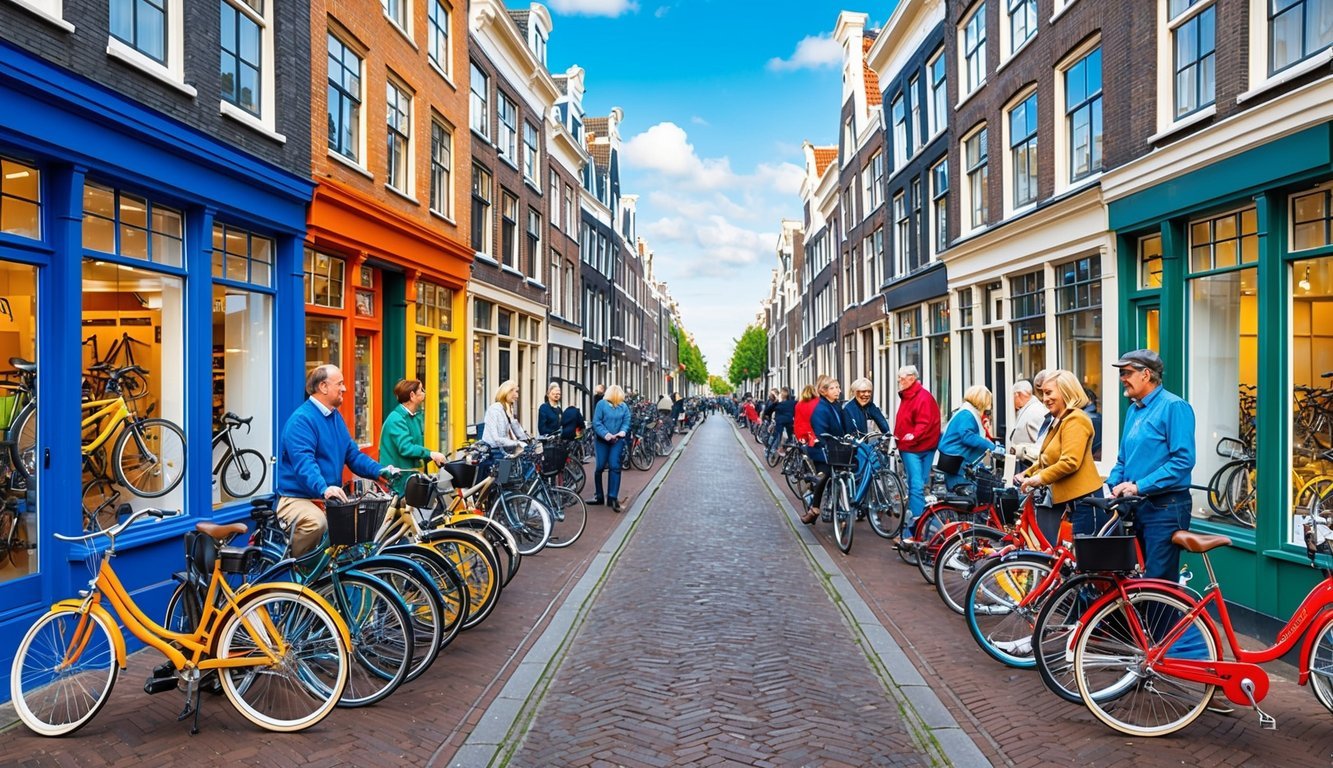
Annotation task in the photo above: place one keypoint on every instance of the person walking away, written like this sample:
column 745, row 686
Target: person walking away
column 678, row 412
column 403, row 435
column 804, row 408
column 784, row 418
column 315, row 448
column 827, row 419
column 964, row 440
column 548, row 416
column 1065, row 464
column 1029, row 412
column 610, row 424
column 862, row 411
column 917, row 427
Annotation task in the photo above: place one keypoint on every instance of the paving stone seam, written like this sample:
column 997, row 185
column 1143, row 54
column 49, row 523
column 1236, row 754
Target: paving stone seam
column 520, row 698
column 940, row 735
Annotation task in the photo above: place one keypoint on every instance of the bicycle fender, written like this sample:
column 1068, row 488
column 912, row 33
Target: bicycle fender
column 1033, row 553
column 117, row 637
column 1323, row 619
column 288, row 587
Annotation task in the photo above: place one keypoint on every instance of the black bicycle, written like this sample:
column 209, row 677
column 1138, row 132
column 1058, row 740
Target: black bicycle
column 240, row 470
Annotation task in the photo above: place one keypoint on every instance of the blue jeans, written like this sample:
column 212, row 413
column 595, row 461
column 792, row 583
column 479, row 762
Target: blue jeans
column 917, row 465
column 778, row 431
column 1086, row 519
column 1156, row 523
column 608, row 458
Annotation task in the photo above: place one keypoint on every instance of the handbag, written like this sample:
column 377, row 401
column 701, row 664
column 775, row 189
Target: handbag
column 948, row 463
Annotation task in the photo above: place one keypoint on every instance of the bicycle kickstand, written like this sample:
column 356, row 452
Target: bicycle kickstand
column 1266, row 720
column 192, row 692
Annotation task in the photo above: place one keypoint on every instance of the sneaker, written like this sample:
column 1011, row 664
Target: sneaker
column 1020, row 647
column 1220, row 705
column 597, row 502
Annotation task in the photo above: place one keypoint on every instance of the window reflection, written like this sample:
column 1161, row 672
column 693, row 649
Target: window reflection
column 1312, row 395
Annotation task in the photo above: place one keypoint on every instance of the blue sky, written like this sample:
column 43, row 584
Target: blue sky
column 718, row 97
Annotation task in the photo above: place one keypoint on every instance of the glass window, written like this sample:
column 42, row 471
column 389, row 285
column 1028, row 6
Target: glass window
column 509, row 230
column 507, row 140
column 435, row 306
column 974, row 49
column 241, row 256
column 899, row 133
column 242, row 385
column 1023, row 150
column 939, row 190
column 902, row 234
column 480, row 85
column 1223, row 358
column 530, row 152
column 441, row 169
column 397, row 11
column 131, row 226
column 1022, row 22
column 1083, row 115
column 1027, row 298
column 938, row 342
column 1150, row 262
column 534, row 254
column 1311, row 220
column 976, row 156
column 399, row 134
column 344, row 100
column 324, row 277
column 1298, row 29
column 142, row 25
column 1311, row 357
column 1078, row 320
column 437, row 22
column 914, row 130
column 242, row 55
column 20, row 199
column 909, row 338
column 481, row 210
column 939, row 94
column 966, row 320
column 1224, row 241
column 1194, row 52
column 20, row 524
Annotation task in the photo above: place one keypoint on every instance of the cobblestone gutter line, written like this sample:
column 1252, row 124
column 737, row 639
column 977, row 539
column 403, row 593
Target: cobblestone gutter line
column 502, row 726
column 930, row 721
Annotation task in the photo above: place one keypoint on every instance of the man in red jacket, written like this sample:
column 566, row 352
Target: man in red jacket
column 918, row 429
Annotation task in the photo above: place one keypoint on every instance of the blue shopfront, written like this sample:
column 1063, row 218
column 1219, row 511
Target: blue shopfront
column 127, row 238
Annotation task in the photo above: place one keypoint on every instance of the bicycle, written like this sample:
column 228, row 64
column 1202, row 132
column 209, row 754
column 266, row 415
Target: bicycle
column 280, row 651
column 21, row 431
column 149, row 454
column 240, row 470
column 1148, row 655
column 840, row 455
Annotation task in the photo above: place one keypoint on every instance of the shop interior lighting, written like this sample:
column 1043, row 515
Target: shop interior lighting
column 1305, row 281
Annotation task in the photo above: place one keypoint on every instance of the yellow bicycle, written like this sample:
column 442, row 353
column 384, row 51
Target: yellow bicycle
column 148, row 456
column 279, row 649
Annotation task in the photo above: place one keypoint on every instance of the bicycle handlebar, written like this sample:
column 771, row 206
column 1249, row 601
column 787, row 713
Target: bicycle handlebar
column 115, row 530
column 1114, row 503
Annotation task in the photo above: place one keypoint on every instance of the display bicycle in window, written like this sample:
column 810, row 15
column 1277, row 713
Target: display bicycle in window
column 240, row 470
column 120, row 355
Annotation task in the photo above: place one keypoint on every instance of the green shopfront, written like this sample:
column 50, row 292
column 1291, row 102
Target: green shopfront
column 1227, row 271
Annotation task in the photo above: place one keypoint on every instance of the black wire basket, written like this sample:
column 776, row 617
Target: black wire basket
column 840, row 455
column 355, row 521
column 1105, row 554
column 554, row 456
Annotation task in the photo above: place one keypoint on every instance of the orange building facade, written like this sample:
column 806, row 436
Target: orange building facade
column 387, row 261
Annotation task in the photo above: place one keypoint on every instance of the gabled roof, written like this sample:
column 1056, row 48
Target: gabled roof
column 824, row 157
column 521, row 19
column 599, row 146
column 596, row 125
column 873, row 97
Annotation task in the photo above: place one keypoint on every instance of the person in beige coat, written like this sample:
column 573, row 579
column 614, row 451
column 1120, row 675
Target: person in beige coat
column 1065, row 463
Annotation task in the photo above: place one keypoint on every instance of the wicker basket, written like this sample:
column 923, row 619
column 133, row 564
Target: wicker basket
column 356, row 521
column 839, row 455
column 1116, row 554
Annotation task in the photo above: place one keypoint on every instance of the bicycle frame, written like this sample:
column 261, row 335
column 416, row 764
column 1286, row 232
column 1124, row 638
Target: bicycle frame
column 224, row 436
column 115, row 409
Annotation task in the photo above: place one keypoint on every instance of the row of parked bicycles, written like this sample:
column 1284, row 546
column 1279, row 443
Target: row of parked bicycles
column 288, row 639
column 1147, row 657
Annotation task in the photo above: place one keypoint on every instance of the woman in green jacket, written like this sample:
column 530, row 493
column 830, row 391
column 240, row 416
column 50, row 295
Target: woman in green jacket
column 403, row 436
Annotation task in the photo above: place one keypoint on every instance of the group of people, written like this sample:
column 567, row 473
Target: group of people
column 1055, row 438
column 316, row 446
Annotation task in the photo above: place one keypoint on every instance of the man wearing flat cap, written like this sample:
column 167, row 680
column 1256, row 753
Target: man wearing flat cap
column 1156, row 460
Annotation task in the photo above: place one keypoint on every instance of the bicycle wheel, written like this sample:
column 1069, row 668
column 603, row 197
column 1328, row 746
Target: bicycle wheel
column 99, row 499
column 425, row 607
column 1320, row 662
column 924, row 528
column 243, row 473
column 1111, row 670
column 149, row 457
column 471, row 558
column 843, row 515
column 959, row 558
column 525, row 517
column 448, row 585
column 888, row 500
column 304, row 684
column 63, row 671
column 772, row 455
column 1001, row 607
column 573, row 477
column 641, row 456
column 1241, row 495
column 382, row 635
column 1057, row 625
column 22, row 439
column 572, row 516
column 793, row 467
column 1219, row 487
column 503, row 544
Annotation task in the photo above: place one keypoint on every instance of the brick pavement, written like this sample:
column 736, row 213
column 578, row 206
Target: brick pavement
column 713, row 642
column 1013, row 718
column 423, row 723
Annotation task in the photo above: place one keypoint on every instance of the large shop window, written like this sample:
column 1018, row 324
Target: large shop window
column 1028, row 300
column 1078, row 321
column 1311, row 282
column 1223, row 359
column 20, row 532
column 939, row 352
column 20, row 199
column 435, row 314
column 909, row 338
column 325, row 278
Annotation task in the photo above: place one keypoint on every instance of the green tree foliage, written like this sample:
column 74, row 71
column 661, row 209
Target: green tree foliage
column 719, row 385
column 749, row 360
column 688, row 354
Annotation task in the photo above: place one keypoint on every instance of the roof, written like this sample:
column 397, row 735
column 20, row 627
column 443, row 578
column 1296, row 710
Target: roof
column 599, row 146
column 873, row 97
column 521, row 19
column 824, row 157
column 598, row 125
column 561, row 84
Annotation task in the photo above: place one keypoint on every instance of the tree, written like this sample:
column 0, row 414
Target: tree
column 692, row 363
column 749, row 360
column 719, row 385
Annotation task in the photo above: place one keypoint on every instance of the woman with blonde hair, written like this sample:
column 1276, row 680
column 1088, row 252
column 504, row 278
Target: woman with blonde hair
column 500, row 429
column 610, row 424
column 964, row 440
column 1065, row 464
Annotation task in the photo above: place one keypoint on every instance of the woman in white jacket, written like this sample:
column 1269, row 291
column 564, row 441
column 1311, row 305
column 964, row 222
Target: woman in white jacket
column 500, row 429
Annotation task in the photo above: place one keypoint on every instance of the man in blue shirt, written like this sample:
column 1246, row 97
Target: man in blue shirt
column 315, row 447
column 1156, row 460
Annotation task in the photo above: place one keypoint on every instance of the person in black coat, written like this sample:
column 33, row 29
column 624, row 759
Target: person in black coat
column 784, row 417
column 861, row 410
column 548, row 416
column 827, row 419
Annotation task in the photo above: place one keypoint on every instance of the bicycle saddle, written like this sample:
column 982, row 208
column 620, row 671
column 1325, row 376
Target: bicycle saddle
column 220, row 531
column 1198, row 542
column 19, row 364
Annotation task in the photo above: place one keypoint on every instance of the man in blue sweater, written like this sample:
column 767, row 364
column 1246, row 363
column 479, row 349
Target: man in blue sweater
column 315, row 446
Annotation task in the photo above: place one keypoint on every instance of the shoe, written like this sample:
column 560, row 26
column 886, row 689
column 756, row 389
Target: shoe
column 614, row 504
column 810, row 516
column 597, row 502
column 1219, row 705
column 1020, row 647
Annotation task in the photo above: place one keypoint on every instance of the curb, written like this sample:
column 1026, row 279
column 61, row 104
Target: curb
column 503, row 724
column 934, row 727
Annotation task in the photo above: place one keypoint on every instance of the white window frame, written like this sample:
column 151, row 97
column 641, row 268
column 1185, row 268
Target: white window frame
column 938, row 114
column 1261, row 79
column 531, row 154
column 1009, row 48
column 479, row 115
column 967, row 222
column 898, row 114
column 914, row 128
column 50, row 11
column 966, row 85
column 357, row 162
column 939, row 201
column 1009, row 174
column 266, row 120
column 171, row 71
column 553, row 204
column 441, row 60
column 1167, row 122
column 506, row 134
column 446, row 194
column 901, row 233
column 404, row 94
column 1060, row 135
column 403, row 25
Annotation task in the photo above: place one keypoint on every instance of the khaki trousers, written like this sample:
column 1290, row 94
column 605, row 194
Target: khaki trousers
column 306, row 521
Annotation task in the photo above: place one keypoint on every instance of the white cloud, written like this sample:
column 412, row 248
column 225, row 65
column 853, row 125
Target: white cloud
column 594, row 7
column 698, row 120
column 783, row 178
column 661, row 11
column 666, row 149
column 811, row 53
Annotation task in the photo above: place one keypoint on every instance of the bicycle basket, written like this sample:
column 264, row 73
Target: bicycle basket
column 554, row 456
column 356, row 521
column 1105, row 553
column 508, row 471
column 840, row 455
column 463, row 474
column 988, row 488
column 419, row 491
column 1009, row 505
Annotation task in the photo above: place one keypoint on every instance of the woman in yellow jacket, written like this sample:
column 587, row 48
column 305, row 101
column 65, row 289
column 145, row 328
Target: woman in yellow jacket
column 1065, row 464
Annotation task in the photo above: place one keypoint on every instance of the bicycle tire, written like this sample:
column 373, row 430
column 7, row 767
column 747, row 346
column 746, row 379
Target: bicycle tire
column 1001, row 608
column 641, row 457
column 243, row 473
column 885, row 512
column 449, row 587
column 22, row 439
column 772, row 456
column 1320, row 663
column 959, row 558
column 1219, row 487
column 525, row 517
column 1057, row 624
column 382, row 635
column 573, row 477
column 425, row 607
column 473, row 560
column 309, row 680
column 503, row 544
column 51, row 697
column 932, row 519
column 574, row 517
column 98, row 498
column 1108, row 658
column 157, row 473
column 844, row 518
